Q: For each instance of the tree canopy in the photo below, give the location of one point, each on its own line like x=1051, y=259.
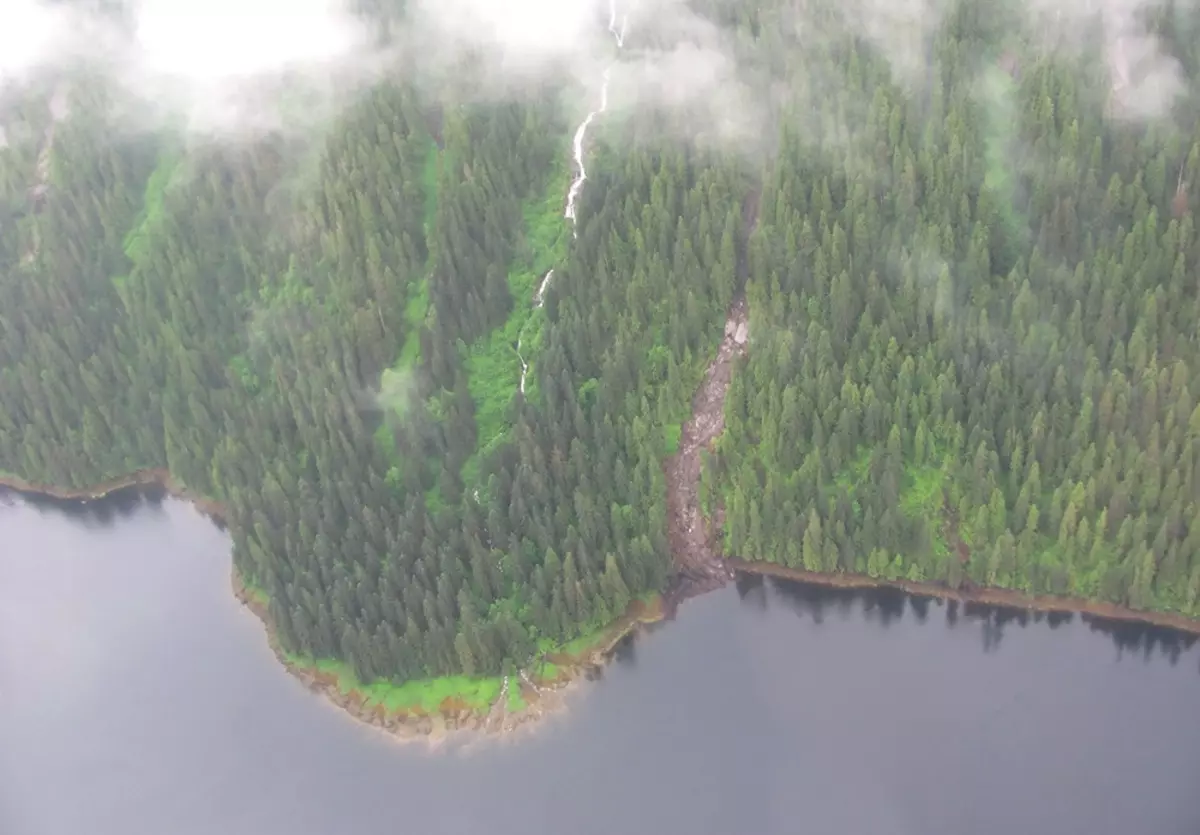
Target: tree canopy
x=972, y=292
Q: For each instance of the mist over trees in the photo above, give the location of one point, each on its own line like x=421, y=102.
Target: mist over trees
x=972, y=292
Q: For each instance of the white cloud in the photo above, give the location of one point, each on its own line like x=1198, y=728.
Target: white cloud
x=210, y=60
x=219, y=41
x=31, y=34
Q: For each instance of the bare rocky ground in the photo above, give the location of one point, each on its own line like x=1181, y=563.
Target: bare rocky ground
x=694, y=542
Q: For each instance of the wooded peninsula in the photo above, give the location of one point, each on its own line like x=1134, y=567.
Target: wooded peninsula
x=930, y=323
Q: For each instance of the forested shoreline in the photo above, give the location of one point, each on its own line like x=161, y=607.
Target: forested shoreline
x=972, y=299
x=1021, y=419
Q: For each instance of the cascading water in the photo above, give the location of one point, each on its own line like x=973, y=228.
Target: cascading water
x=524, y=365
x=576, y=188
x=539, y=298
x=581, y=132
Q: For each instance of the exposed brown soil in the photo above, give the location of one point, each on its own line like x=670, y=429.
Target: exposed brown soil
x=694, y=543
x=976, y=594
x=694, y=546
x=495, y=717
x=694, y=540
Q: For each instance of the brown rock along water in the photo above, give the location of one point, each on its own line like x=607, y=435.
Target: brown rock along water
x=139, y=697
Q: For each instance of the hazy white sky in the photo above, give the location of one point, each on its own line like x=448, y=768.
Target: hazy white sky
x=220, y=40
x=197, y=39
x=203, y=57
x=29, y=34
x=198, y=57
x=537, y=28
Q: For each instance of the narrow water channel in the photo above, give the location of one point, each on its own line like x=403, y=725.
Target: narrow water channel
x=137, y=697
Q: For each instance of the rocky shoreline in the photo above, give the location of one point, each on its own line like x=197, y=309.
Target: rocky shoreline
x=542, y=695
x=984, y=596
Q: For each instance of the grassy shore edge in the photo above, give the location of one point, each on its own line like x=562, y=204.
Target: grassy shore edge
x=558, y=669
x=530, y=695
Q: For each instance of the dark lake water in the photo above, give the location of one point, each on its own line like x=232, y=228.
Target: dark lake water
x=136, y=696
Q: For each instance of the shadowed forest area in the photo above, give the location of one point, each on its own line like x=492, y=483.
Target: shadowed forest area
x=972, y=298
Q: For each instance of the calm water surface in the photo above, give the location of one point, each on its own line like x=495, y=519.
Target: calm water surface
x=136, y=696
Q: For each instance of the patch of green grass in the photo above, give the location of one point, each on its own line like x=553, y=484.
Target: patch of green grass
x=255, y=592
x=415, y=312
x=430, y=172
x=434, y=501
x=241, y=366
x=493, y=366
x=516, y=702
x=479, y=694
x=494, y=378
x=921, y=494
x=940, y=546
x=423, y=694
x=152, y=205
x=547, y=231
x=853, y=475
x=586, y=642
x=152, y=212
x=671, y=435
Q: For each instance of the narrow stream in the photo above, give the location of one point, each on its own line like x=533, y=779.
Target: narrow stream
x=581, y=132
x=524, y=365
x=539, y=298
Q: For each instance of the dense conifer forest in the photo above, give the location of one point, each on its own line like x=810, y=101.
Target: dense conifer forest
x=972, y=295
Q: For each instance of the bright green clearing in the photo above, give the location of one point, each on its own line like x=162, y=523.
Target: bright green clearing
x=427, y=695
x=150, y=218
x=493, y=364
x=255, y=592
x=152, y=214
x=672, y=432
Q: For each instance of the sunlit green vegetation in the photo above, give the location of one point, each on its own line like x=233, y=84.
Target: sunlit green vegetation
x=972, y=297
x=424, y=695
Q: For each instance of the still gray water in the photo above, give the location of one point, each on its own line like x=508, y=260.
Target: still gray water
x=137, y=696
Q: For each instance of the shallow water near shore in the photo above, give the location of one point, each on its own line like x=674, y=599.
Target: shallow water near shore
x=138, y=696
